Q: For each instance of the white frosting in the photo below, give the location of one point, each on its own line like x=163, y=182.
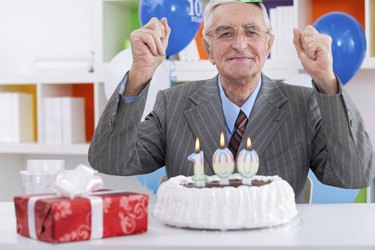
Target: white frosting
x=225, y=207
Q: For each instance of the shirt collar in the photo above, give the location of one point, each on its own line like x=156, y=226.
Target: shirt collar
x=231, y=110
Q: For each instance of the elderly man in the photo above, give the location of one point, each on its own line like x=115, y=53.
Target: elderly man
x=292, y=128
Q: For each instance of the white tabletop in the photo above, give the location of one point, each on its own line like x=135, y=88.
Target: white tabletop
x=334, y=226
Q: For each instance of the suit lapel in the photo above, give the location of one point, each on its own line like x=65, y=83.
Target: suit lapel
x=206, y=119
x=266, y=117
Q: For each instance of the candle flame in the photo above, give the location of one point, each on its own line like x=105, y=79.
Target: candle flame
x=197, y=145
x=248, y=143
x=222, y=142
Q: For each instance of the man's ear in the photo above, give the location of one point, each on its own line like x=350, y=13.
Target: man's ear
x=270, y=40
x=206, y=47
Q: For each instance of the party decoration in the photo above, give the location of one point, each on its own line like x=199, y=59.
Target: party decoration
x=223, y=162
x=101, y=214
x=184, y=18
x=198, y=161
x=247, y=163
x=348, y=42
x=79, y=181
x=152, y=180
x=121, y=63
x=328, y=194
x=116, y=71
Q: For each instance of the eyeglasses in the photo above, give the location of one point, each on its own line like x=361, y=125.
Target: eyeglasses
x=229, y=32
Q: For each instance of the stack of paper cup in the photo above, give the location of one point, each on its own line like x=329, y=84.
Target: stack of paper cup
x=40, y=175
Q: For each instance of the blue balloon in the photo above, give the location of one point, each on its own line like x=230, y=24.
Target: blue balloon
x=184, y=18
x=151, y=181
x=348, y=42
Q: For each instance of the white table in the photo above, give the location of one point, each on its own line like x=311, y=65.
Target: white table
x=334, y=226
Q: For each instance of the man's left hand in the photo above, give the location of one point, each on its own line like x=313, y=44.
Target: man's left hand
x=315, y=53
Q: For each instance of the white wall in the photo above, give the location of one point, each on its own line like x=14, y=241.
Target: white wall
x=362, y=90
x=30, y=33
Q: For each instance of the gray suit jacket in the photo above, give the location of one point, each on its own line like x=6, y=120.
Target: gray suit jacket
x=292, y=128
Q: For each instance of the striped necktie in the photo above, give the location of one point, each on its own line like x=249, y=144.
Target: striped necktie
x=240, y=126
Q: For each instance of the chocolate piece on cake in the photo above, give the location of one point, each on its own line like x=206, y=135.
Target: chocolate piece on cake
x=232, y=183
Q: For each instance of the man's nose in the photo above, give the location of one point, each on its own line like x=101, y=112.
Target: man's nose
x=240, y=41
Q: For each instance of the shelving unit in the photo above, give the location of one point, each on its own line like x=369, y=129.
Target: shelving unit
x=276, y=69
x=44, y=149
x=95, y=31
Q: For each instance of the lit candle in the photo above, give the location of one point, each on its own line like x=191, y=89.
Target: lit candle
x=197, y=158
x=223, y=162
x=247, y=163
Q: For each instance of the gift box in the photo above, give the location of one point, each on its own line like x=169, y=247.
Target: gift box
x=101, y=214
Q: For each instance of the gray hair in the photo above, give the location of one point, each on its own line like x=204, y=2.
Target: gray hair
x=214, y=3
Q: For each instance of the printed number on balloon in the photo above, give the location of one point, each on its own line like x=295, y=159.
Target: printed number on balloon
x=184, y=18
x=195, y=10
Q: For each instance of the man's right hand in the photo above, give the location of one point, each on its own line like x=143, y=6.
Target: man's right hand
x=148, y=45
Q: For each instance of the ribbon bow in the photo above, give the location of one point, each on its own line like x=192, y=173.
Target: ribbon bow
x=80, y=181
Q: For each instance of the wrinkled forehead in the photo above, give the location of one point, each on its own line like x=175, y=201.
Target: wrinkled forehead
x=237, y=14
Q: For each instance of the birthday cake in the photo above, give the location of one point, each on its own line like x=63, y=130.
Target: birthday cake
x=267, y=201
x=225, y=201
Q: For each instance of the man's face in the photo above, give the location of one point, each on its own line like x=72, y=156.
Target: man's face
x=238, y=41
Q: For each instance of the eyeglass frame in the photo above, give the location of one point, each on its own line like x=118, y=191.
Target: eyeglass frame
x=251, y=25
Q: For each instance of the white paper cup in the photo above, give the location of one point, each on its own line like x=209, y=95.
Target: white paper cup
x=45, y=165
x=38, y=182
x=40, y=176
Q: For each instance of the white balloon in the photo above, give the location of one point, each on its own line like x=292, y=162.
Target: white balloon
x=301, y=79
x=117, y=69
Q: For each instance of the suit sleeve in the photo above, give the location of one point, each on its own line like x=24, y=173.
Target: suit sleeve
x=341, y=153
x=122, y=144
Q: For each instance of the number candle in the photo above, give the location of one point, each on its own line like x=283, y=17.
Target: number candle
x=223, y=162
x=247, y=163
x=197, y=158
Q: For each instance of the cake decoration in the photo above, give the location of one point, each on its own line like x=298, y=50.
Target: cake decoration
x=198, y=161
x=223, y=162
x=247, y=163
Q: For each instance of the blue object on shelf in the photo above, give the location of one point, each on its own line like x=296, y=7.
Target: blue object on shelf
x=151, y=181
x=328, y=194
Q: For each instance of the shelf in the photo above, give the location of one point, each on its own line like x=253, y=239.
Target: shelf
x=60, y=76
x=274, y=68
x=199, y=70
x=34, y=148
x=193, y=71
x=81, y=90
x=368, y=63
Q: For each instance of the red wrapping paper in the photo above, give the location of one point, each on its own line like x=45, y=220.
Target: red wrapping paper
x=63, y=219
